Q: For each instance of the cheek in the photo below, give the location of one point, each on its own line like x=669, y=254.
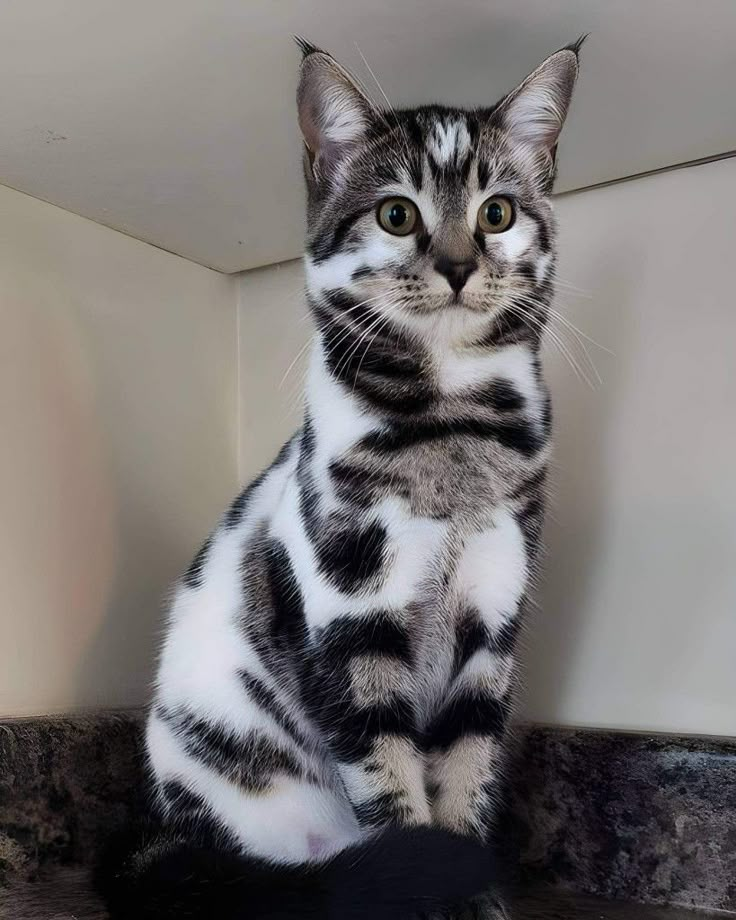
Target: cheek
x=364, y=262
x=380, y=250
x=512, y=244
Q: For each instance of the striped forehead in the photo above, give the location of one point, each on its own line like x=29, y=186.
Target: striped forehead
x=448, y=140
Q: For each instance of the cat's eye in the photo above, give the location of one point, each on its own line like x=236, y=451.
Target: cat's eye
x=398, y=216
x=495, y=214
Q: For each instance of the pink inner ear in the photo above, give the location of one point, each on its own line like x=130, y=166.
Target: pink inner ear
x=333, y=112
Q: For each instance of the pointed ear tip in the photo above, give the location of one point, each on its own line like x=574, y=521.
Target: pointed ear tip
x=306, y=47
x=576, y=45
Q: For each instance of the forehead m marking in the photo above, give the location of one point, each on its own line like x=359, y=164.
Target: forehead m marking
x=448, y=142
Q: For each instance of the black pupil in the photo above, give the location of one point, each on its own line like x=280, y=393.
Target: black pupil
x=494, y=214
x=397, y=215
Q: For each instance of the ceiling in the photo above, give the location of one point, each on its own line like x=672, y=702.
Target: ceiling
x=173, y=120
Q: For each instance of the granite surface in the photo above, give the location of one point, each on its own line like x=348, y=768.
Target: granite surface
x=66, y=895
x=65, y=784
x=623, y=816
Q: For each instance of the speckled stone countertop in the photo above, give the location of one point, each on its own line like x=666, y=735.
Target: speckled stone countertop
x=65, y=784
x=623, y=816
x=66, y=895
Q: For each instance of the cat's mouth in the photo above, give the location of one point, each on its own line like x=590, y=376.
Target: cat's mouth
x=432, y=304
x=463, y=300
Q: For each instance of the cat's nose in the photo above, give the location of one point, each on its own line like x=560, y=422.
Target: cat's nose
x=457, y=273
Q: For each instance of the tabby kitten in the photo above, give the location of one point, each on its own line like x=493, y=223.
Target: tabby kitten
x=327, y=734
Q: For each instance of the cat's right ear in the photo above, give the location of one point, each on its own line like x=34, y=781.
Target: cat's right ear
x=334, y=114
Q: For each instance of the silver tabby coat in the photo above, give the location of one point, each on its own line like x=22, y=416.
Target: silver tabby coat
x=339, y=661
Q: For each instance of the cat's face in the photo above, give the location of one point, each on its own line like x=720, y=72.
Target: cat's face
x=432, y=216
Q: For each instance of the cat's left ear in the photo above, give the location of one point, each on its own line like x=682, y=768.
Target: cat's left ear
x=533, y=114
x=334, y=114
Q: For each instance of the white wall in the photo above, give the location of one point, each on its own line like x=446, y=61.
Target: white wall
x=118, y=417
x=637, y=623
x=117, y=449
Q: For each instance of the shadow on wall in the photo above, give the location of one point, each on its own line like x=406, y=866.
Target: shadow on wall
x=583, y=401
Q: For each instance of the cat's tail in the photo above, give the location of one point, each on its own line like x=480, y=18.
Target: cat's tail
x=395, y=875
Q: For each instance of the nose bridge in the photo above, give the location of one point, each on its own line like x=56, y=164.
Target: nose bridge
x=452, y=241
x=454, y=253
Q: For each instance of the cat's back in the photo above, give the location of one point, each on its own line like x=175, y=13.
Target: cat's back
x=211, y=635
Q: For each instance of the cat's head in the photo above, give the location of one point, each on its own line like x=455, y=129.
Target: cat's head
x=431, y=216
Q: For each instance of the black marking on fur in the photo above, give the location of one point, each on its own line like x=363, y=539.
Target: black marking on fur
x=381, y=366
x=410, y=399
x=309, y=509
x=325, y=246
x=177, y=797
x=272, y=615
x=414, y=130
x=350, y=556
x=375, y=633
x=531, y=521
x=501, y=395
x=483, y=174
x=385, y=172
x=308, y=494
x=353, y=729
x=348, y=309
x=307, y=440
x=513, y=434
x=546, y=420
x=510, y=327
x=471, y=636
x=234, y=514
x=341, y=351
x=385, y=808
x=543, y=235
x=502, y=641
x=250, y=760
x=160, y=875
x=363, y=271
x=463, y=168
x=267, y=700
x=423, y=241
x=236, y=511
x=358, y=485
x=526, y=271
x=193, y=576
x=288, y=622
x=470, y=712
x=531, y=486
x=434, y=167
x=187, y=813
x=416, y=171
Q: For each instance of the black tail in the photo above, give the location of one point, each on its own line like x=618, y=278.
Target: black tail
x=396, y=875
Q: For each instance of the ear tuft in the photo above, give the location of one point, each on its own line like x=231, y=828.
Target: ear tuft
x=305, y=46
x=334, y=114
x=577, y=44
x=534, y=113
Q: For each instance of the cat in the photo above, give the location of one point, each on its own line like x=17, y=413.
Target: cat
x=328, y=732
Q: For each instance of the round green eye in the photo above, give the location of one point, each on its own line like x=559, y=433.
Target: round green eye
x=495, y=214
x=398, y=216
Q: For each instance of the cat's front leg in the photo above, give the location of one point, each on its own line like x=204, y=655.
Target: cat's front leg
x=466, y=737
x=466, y=748
x=366, y=695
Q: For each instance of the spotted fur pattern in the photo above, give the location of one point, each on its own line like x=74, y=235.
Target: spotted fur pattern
x=340, y=655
